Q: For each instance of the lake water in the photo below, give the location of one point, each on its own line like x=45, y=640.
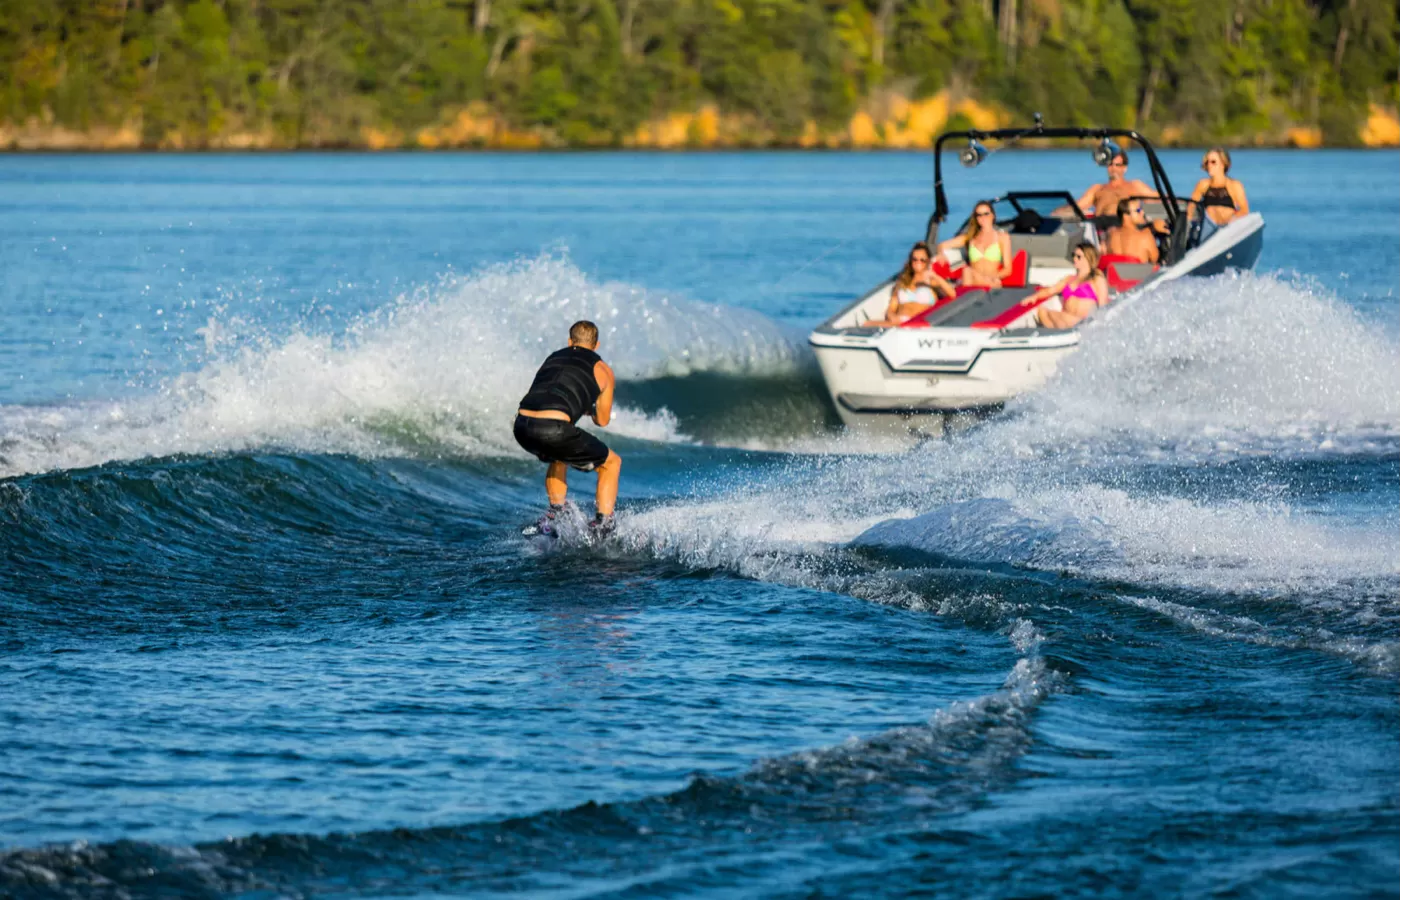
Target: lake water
x=268, y=628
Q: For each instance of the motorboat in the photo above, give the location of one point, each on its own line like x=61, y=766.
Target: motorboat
x=975, y=351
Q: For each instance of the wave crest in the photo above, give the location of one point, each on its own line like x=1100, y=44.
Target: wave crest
x=442, y=367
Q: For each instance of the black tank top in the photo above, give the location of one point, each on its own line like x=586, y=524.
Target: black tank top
x=1218, y=196
x=565, y=383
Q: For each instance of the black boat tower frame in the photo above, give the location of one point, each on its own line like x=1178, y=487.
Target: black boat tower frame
x=1039, y=130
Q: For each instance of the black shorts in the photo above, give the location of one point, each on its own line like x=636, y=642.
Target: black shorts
x=554, y=441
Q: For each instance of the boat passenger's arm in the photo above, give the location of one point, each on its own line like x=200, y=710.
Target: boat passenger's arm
x=1237, y=191
x=1086, y=201
x=603, y=407
x=1005, y=243
x=1045, y=292
x=953, y=243
x=1145, y=191
x=1101, y=288
x=941, y=285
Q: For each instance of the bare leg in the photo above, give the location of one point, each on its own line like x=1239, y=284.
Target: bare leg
x=903, y=313
x=556, y=485
x=607, y=496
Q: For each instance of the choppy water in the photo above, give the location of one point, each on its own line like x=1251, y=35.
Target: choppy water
x=267, y=628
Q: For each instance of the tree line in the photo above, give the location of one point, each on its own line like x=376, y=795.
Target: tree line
x=591, y=72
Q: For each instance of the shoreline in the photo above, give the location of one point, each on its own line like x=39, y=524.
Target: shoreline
x=310, y=149
x=889, y=123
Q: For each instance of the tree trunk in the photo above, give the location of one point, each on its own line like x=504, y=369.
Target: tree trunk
x=625, y=28
x=121, y=35
x=1146, y=108
x=1007, y=30
x=481, y=15
x=879, y=27
x=498, y=48
x=1344, y=19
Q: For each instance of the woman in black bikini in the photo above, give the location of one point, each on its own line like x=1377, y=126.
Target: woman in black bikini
x=1221, y=198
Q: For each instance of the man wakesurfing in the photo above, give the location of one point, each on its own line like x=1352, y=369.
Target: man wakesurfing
x=571, y=382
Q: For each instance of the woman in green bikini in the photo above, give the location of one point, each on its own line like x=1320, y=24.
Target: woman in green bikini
x=988, y=248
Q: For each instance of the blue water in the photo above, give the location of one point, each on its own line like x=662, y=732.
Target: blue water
x=267, y=626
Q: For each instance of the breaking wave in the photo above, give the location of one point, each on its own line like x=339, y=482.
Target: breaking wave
x=437, y=372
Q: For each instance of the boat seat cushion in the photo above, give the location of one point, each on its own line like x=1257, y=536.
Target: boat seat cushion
x=1009, y=315
x=1106, y=259
x=1124, y=275
x=1019, y=267
x=1054, y=246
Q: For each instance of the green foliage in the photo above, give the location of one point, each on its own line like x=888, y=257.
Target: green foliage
x=590, y=72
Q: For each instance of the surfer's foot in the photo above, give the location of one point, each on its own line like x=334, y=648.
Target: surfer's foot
x=546, y=523
x=601, y=526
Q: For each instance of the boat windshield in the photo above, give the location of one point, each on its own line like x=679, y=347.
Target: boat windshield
x=1046, y=204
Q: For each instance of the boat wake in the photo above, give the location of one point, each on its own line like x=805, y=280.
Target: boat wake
x=435, y=374
x=1178, y=455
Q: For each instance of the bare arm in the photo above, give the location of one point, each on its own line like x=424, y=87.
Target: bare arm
x=1200, y=189
x=1005, y=243
x=1045, y=292
x=1116, y=242
x=603, y=409
x=1143, y=191
x=938, y=283
x=953, y=243
x=1101, y=286
x=1237, y=191
x=1086, y=201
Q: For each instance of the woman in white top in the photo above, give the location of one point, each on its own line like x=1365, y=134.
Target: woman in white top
x=917, y=288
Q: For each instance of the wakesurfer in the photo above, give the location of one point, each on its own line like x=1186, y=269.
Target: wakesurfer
x=571, y=382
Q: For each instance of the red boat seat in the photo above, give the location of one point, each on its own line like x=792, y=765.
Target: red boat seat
x=1118, y=282
x=1008, y=316
x=1109, y=258
x=1017, y=278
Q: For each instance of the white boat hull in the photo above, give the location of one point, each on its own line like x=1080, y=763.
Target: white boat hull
x=892, y=378
x=864, y=386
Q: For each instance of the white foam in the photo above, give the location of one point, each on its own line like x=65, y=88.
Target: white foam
x=1237, y=364
x=445, y=365
x=1206, y=372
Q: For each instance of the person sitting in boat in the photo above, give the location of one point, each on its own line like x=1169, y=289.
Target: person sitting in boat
x=916, y=289
x=1221, y=198
x=988, y=249
x=1133, y=236
x=1103, y=199
x=1075, y=296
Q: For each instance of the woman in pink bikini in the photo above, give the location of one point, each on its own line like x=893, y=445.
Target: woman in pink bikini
x=1076, y=296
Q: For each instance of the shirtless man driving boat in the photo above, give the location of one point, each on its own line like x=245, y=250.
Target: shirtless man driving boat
x=571, y=382
x=1103, y=199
